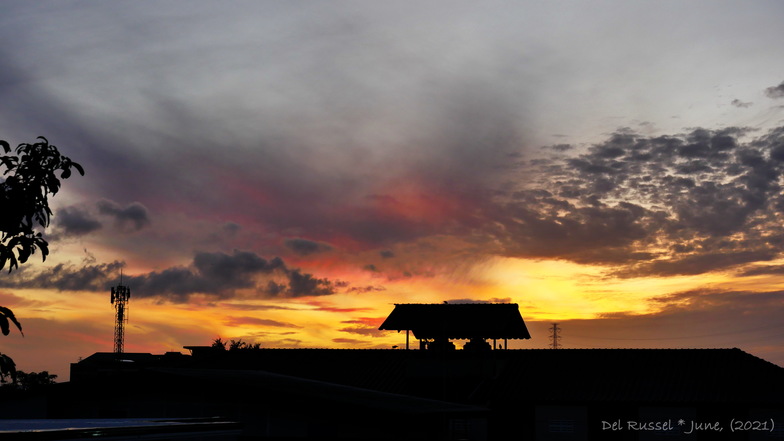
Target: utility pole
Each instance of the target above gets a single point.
(555, 333)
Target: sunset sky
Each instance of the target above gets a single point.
(285, 172)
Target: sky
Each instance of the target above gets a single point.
(284, 173)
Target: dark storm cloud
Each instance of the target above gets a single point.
(323, 138)
(301, 284)
(305, 247)
(133, 217)
(299, 161)
(223, 275)
(66, 277)
(80, 220)
(687, 204)
(215, 274)
(775, 91)
(76, 221)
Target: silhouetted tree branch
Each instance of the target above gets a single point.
(30, 177)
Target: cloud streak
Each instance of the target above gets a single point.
(219, 275)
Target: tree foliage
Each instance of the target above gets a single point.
(234, 345)
(32, 173)
(31, 176)
(7, 368)
(30, 381)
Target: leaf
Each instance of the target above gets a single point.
(4, 326)
(7, 313)
(9, 162)
(44, 246)
(6, 147)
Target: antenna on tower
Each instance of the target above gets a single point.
(555, 333)
(121, 294)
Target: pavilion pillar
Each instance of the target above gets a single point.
(406, 339)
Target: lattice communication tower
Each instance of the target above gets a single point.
(121, 294)
(555, 334)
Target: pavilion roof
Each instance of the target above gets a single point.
(458, 320)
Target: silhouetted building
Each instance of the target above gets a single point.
(434, 324)
(540, 394)
(479, 393)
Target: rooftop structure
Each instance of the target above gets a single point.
(443, 321)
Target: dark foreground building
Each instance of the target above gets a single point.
(481, 392)
(587, 394)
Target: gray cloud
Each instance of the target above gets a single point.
(775, 91)
(305, 247)
(326, 140)
(301, 284)
(365, 289)
(133, 217)
(705, 200)
(231, 228)
(738, 103)
(763, 270)
(215, 274)
(76, 221)
(698, 263)
(66, 277)
(223, 275)
(298, 165)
